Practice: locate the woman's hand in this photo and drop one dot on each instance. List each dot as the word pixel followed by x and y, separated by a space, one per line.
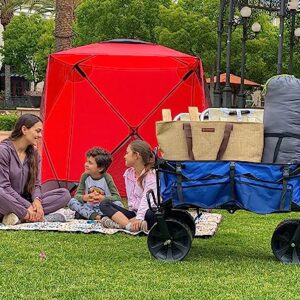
pixel 38 208
pixel 30 215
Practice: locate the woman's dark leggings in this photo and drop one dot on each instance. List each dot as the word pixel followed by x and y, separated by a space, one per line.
pixel 108 209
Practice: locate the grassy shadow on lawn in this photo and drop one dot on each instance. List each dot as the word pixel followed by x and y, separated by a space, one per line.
pixel 235 264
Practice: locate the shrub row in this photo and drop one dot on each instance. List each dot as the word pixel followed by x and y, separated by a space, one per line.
pixel 7 122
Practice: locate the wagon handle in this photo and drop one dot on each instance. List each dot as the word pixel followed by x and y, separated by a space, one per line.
pixel 149 194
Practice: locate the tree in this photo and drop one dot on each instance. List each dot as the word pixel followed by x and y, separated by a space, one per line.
pixel 184 28
pixel 7 9
pixel 99 20
pixel 189 26
pixel 261 51
pixel 27 42
pixel 42 6
pixel 64 19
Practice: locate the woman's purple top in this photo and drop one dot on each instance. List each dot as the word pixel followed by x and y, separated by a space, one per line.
pixel 14 173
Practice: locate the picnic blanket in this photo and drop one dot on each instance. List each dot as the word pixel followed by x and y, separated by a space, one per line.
pixel 206 225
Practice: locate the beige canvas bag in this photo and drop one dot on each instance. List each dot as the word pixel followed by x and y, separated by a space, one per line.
pixel 209 140
pixel 241 141
pixel 233 115
pixel 175 137
pixel 174 140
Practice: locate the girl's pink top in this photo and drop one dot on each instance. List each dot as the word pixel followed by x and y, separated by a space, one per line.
pixel 136 194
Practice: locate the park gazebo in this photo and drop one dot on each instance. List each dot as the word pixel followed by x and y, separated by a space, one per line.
pixel 235 82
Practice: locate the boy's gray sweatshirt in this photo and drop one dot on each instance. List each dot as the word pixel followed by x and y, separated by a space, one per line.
pixel 14 173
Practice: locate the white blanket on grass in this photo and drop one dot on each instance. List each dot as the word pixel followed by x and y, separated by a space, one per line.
pixel 206 225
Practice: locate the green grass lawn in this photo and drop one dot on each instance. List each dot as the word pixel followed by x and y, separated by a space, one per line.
pixel 235 264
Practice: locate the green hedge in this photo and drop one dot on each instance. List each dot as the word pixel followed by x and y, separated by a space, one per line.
pixel 7 122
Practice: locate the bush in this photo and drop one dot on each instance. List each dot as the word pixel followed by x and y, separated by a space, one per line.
pixel 7 122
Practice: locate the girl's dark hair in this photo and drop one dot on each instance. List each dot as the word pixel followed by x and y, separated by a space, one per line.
pixel 101 156
pixel 28 120
pixel 147 155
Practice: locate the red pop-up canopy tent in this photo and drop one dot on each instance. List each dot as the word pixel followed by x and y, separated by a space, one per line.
pixel 107 94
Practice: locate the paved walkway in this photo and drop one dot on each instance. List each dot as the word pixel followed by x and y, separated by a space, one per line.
pixel 4 135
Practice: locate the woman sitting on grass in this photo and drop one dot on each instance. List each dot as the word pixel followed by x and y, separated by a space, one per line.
pixel 139 178
pixel 21 198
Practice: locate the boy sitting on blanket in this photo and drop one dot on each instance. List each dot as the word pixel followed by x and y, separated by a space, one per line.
pixel 95 186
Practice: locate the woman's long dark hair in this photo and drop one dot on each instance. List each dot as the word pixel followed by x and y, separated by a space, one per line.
pixel 147 155
pixel 28 120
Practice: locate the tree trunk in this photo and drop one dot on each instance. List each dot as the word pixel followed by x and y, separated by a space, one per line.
pixel 7 85
pixel 5 19
pixel 63 24
pixel 212 85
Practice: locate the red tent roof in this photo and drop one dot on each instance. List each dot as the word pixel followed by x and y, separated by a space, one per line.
pixel 125 49
pixel 233 80
pixel 107 94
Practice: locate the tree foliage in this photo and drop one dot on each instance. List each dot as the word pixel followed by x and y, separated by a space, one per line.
pixel 7 10
pixel 27 42
pixel 99 20
pixel 8 7
pixel 42 6
pixel 189 26
pixel 188 30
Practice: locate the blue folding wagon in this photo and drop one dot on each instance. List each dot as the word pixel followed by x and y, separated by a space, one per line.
pixel 256 187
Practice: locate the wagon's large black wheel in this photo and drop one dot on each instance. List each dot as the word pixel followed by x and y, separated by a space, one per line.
pixel 174 248
pixel 182 216
pixel 285 243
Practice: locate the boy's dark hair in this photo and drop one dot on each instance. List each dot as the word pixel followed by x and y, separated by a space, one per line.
pixel 102 157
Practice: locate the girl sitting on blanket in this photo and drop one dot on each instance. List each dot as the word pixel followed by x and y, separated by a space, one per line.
pixel 139 178
pixel 21 198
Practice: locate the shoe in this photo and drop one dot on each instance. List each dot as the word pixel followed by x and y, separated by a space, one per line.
pixel 55 217
pixel 10 219
pixel 108 223
pixel 144 226
pixel 78 216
